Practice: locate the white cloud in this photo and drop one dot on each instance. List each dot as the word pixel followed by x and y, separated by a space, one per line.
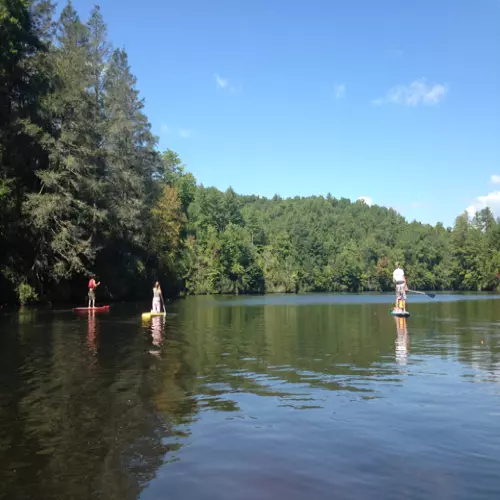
pixel 340 91
pixel 221 82
pixel 471 210
pixel 491 200
pixel 416 93
pixel 185 133
pixel 495 179
pixel 366 199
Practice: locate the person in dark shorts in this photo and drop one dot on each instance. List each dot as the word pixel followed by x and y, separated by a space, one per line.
pixel 92 286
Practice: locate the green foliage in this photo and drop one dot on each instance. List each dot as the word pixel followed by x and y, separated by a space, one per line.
pixel 168 220
pixel 83 189
pixel 26 293
pixel 172 172
pixel 67 209
pixel 326 244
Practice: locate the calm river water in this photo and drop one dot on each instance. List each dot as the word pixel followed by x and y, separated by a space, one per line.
pixel 255 398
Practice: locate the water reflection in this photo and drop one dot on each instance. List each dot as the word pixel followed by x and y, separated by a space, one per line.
pixel 94 434
pixel 288 352
pixel 91 337
pixel 402 341
pixel 254 392
pixel 157 327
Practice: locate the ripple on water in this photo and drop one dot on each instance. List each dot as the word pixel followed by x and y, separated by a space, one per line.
pixel 313 399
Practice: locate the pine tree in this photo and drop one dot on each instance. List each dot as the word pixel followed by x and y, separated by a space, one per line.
pixel 131 157
pixel 67 210
pixel 25 81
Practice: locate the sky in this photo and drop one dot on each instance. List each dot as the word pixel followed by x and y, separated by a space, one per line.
pixel 392 101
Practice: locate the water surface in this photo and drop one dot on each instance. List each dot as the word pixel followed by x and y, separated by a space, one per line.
pixel 294 397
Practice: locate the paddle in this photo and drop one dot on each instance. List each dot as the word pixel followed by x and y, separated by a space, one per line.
pixel 163 303
pixel 431 295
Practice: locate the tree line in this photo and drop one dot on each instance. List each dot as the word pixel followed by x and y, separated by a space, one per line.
pixel 84 189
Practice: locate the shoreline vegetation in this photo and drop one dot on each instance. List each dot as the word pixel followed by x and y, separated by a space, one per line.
pixel 84 189
pixel 61 305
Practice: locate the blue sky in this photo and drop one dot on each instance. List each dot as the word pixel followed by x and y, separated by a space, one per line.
pixel 396 101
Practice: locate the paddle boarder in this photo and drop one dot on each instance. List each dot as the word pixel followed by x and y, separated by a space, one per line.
pixel 156 298
pixel 401 287
pixel 92 286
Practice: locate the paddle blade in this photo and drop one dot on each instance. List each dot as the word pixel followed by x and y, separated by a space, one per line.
pixel 431 295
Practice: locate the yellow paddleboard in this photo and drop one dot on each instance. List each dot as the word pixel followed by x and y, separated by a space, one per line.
pixel 151 314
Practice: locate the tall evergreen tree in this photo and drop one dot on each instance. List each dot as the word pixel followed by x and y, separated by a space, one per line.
pixel 131 164
pixel 68 209
pixel 25 81
pixel 131 158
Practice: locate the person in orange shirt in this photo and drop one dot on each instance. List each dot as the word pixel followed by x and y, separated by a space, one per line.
pixel 92 286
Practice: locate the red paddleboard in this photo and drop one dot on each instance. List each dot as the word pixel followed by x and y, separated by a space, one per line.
pixel 91 309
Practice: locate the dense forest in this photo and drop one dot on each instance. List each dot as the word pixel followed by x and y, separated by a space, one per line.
pixel 84 189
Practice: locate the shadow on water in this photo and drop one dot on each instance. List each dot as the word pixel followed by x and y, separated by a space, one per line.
pixel 274 399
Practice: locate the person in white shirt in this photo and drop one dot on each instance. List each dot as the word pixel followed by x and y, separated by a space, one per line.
pixel 401 286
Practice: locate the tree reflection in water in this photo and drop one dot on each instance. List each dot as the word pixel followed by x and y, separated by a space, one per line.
pixel 70 432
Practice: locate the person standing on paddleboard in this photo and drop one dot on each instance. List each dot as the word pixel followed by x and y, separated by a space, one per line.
pixel 156 298
pixel 92 286
pixel 401 286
